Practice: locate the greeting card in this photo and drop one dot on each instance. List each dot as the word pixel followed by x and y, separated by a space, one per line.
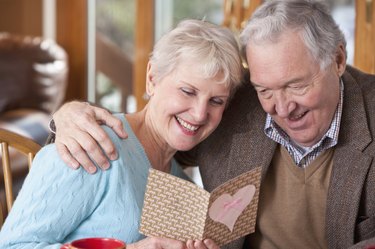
pixel 178 209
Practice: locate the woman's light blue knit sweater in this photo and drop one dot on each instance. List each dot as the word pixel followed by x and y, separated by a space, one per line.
pixel 57 204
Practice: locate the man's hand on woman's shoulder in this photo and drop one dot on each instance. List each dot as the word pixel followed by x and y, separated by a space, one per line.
pixel 80 140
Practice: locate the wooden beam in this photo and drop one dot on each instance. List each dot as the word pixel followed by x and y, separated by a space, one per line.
pixel 364 54
pixel 71 34
pixel 144 41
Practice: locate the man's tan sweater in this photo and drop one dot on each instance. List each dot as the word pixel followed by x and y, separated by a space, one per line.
pixel 292 203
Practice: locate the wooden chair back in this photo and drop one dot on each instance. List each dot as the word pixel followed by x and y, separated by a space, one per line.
pixel 19 143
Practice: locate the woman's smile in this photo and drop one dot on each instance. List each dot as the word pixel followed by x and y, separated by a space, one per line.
pixel 188 128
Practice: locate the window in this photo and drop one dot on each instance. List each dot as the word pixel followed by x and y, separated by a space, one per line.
pixel 114 43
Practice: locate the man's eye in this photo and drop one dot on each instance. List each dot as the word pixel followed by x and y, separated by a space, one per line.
pixel 264 93
pixel 298 89
pixel 187 91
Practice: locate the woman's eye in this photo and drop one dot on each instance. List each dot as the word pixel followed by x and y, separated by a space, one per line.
pixel 217 101
pixel 187 91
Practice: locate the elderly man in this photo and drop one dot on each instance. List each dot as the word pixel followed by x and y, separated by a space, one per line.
pixel 306 118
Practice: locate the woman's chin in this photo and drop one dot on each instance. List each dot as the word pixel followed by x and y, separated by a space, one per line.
pixel 185 147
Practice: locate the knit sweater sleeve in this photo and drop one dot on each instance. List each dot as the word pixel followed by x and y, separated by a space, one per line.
pixel 53 201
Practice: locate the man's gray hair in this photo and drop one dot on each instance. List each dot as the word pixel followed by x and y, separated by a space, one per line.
pixel 310 18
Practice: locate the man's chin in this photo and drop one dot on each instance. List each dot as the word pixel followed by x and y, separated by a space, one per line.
pixel 304 142
pixel 301 138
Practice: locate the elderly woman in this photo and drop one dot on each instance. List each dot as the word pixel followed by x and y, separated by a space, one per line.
pixel 192 72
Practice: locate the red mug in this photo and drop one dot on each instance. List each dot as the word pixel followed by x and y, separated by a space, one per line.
pixel 95 243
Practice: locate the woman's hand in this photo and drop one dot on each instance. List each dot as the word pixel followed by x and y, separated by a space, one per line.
pixel 199 244
pixel 165 243
pixel 78 135
pixel 157 243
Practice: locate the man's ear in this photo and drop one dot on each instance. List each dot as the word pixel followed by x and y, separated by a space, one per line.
pixel 340 60
pixel 150 79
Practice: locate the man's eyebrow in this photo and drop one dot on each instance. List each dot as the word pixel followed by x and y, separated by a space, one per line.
pixel 296 80
pixel 292 81
pixel 254 84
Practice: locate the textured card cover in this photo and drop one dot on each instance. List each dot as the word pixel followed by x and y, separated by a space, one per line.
pixel 178 209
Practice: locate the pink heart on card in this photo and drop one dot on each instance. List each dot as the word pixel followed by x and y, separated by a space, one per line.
pixel 226 208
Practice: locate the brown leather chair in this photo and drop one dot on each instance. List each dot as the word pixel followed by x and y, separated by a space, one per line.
pixel 33 80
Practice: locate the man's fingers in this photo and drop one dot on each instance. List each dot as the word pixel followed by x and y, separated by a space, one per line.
pixel 66 156
pixel 88 123
pixel 81 139
pixel 97 136
pixel 85 161
pixel 86 151
pixel 108 119
pixel 79 155
pixel 102 138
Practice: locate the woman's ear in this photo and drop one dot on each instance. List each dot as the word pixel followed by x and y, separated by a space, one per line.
pixel 150 77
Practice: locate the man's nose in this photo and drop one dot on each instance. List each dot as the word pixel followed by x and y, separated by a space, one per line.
pixel 283 104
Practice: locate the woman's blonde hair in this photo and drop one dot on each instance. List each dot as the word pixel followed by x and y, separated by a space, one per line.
pixel 213 48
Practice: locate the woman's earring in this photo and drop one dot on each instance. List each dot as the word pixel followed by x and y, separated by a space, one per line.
pixel 146 96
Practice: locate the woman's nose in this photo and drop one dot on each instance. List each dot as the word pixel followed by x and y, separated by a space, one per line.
pixel 200 112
